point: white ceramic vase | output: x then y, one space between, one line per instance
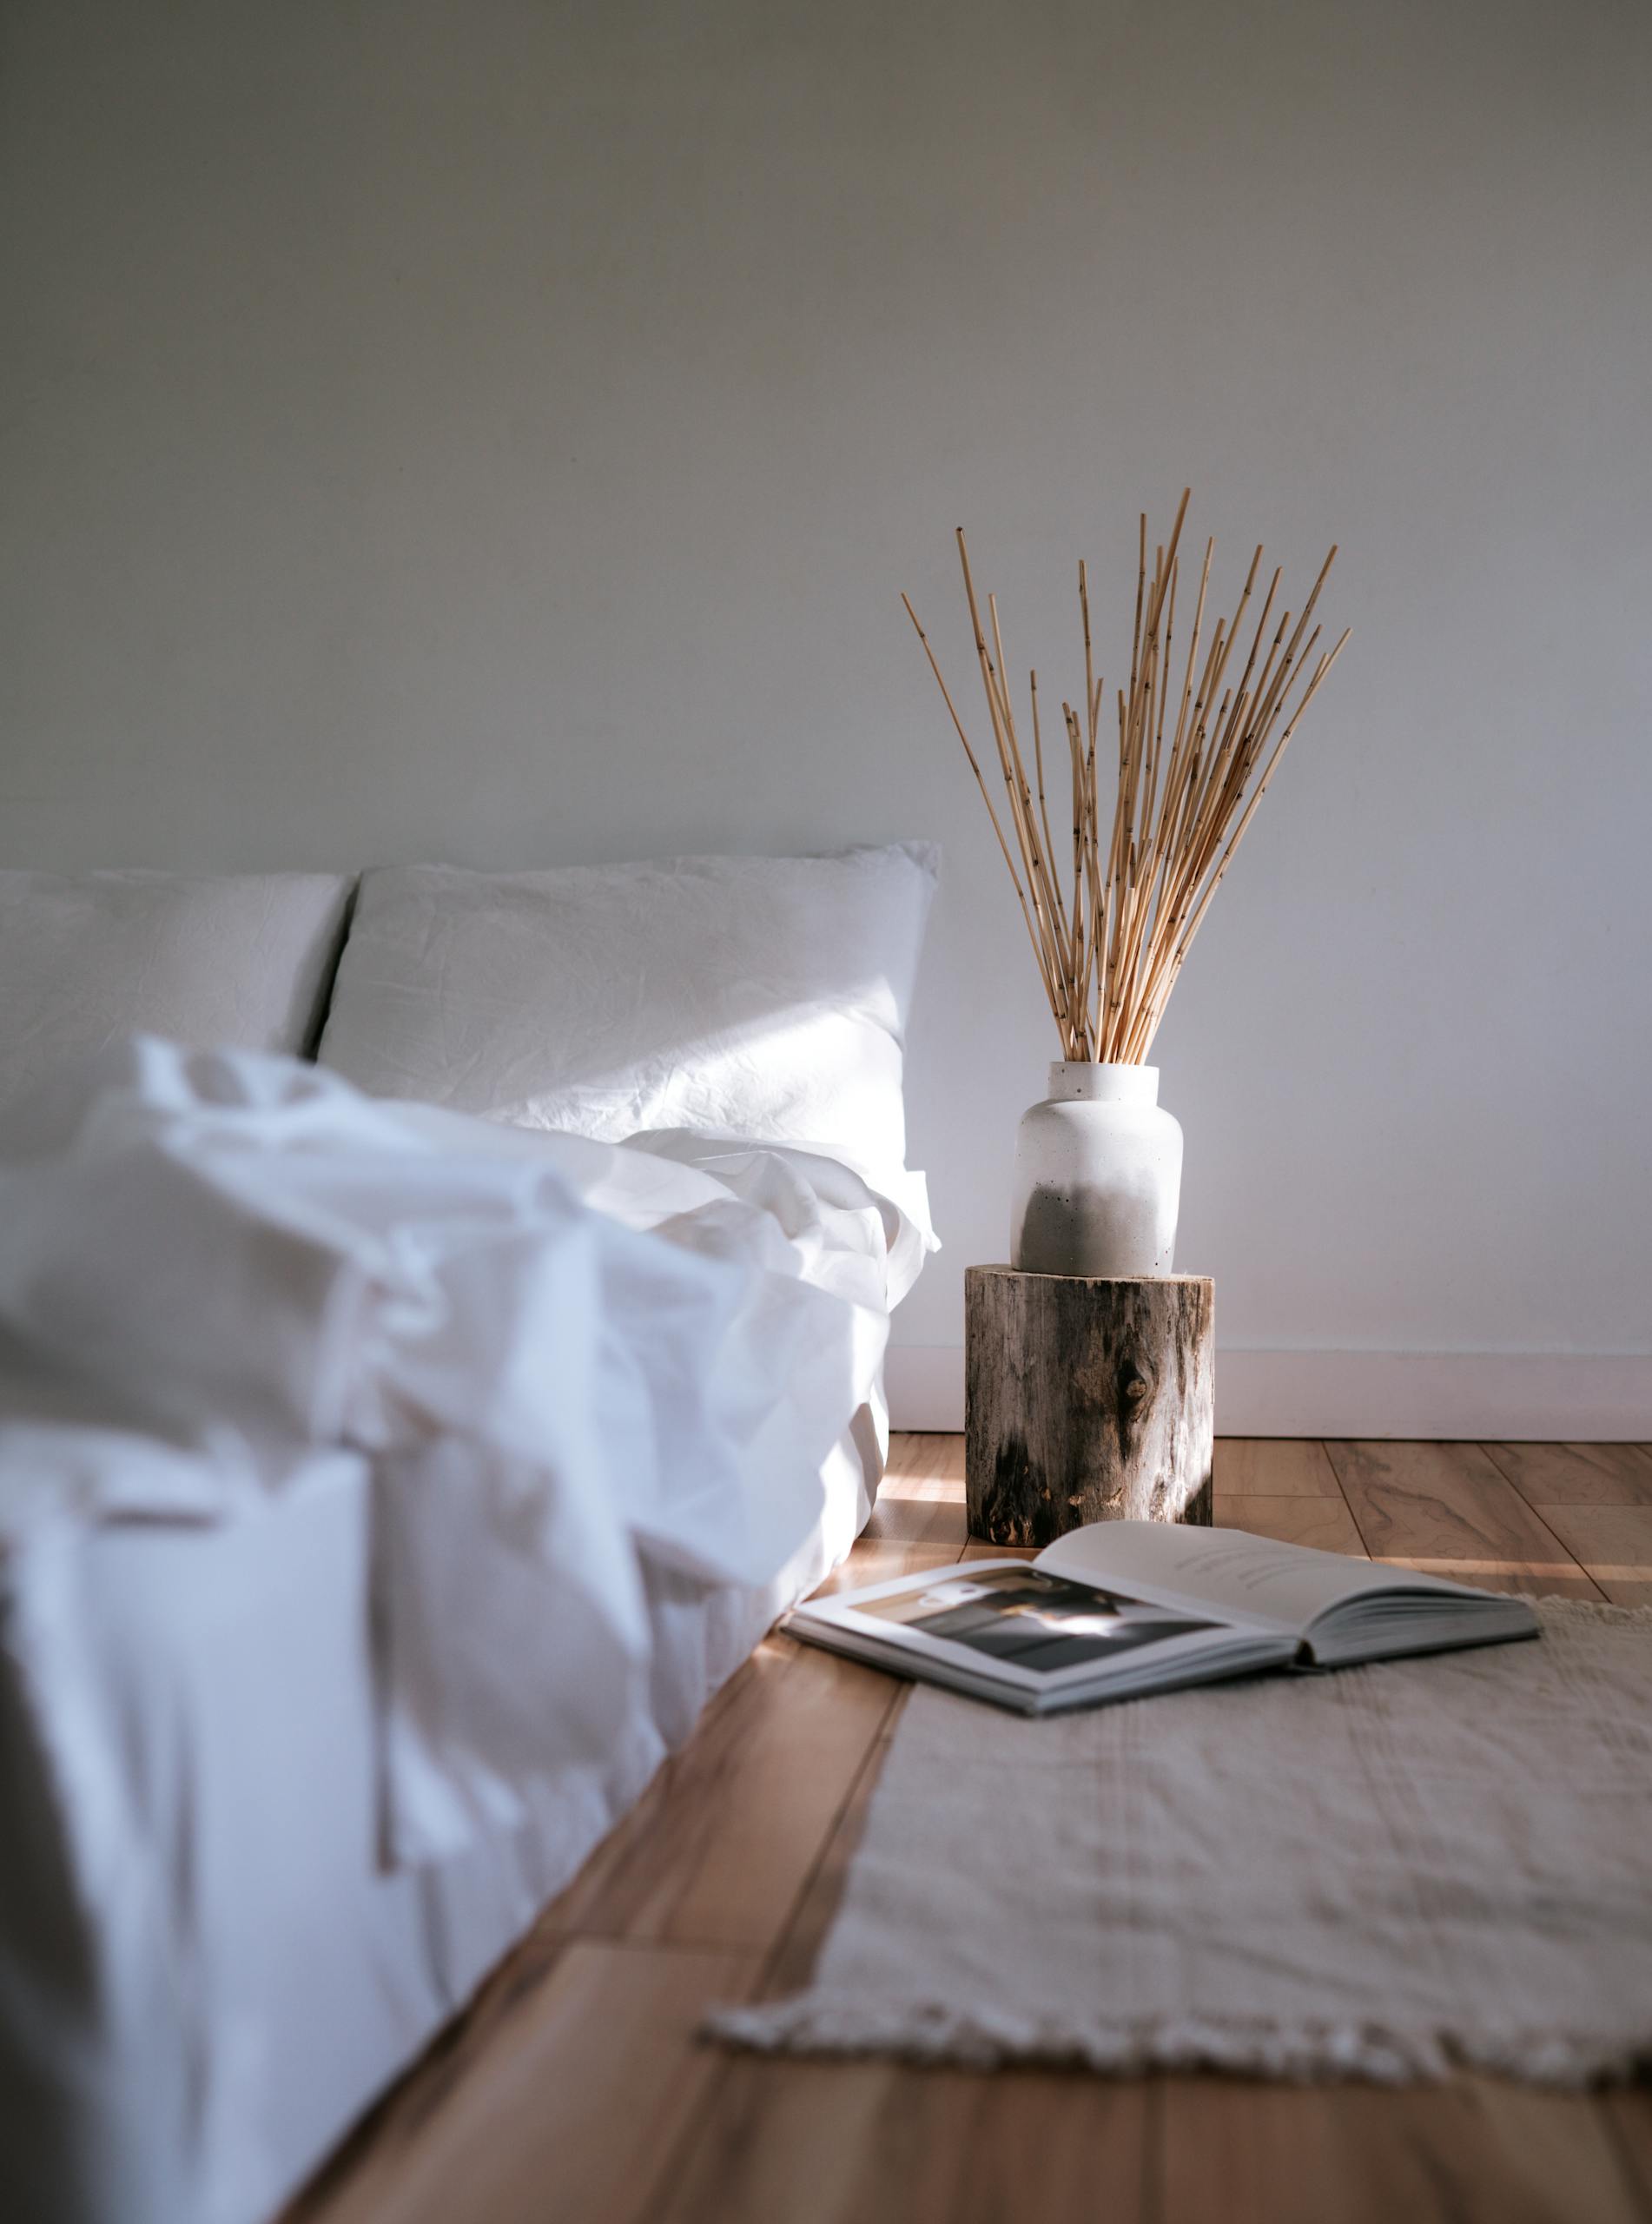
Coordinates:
1098 1175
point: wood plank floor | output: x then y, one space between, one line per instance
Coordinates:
574 2089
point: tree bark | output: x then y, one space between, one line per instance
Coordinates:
1086 1400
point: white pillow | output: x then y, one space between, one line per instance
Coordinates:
211 961
756 996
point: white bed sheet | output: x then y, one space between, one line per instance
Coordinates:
197 2004
207 1963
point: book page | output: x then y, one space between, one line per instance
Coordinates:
1010 1622
1025 1616
1250 1578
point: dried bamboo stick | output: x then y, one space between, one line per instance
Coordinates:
1111 943
975 768
1012 783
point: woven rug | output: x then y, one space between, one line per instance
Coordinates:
1391 1872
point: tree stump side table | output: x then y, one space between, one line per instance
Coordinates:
1086 1400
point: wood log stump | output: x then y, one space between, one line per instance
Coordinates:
1086 1400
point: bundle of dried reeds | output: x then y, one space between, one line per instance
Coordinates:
1111 940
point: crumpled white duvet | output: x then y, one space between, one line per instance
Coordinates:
571 1364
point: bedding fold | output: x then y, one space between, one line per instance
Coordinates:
578 1369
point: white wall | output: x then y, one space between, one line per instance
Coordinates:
500 431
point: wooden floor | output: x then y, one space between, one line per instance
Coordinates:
575 2090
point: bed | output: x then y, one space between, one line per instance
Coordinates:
283 1776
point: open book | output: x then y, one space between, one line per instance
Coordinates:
1125 1607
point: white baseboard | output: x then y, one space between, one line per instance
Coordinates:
1583 1397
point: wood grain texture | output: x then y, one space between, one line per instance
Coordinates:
1577 1474
1629 2113
1612 1544
1446 1508
1262 1466
792 1961
1085 1401
721 1843
1472 2152
802 2143
1324 1523
925 1460
520 2114
920 1500
878 1560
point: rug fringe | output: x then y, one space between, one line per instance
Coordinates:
819 2022
1592 1610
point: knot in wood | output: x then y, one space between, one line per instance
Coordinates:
1088 1398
